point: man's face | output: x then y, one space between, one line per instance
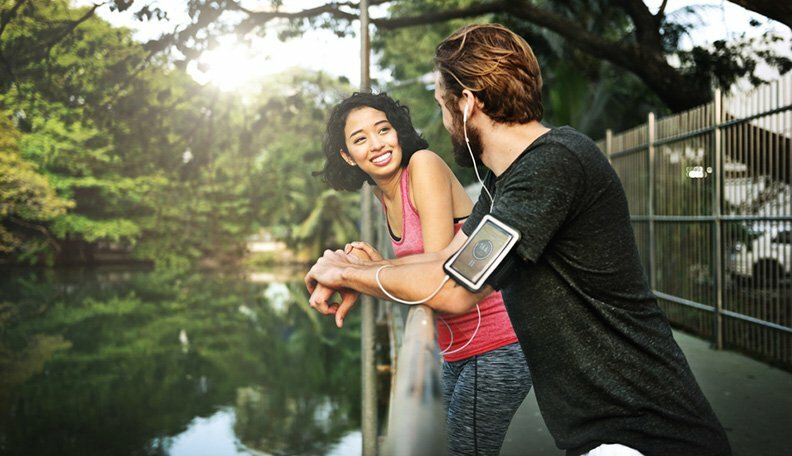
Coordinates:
454 123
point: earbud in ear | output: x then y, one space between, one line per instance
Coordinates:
465 112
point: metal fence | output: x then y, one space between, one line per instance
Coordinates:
710 199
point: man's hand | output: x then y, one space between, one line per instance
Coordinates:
324 279
320 300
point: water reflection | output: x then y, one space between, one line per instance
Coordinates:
133 362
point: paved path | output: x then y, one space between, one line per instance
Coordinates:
752 400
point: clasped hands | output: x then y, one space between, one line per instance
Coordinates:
324 279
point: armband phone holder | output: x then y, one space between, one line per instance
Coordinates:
482 253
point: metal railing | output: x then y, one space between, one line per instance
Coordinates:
416 419
711 204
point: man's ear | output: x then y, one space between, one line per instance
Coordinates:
347 158
467 102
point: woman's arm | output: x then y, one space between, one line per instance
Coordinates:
438 197
432 186
436 194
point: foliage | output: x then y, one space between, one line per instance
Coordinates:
126 154
587 93
629 35
331 223
154 164
27 198
121 363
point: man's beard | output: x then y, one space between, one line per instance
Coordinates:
461 152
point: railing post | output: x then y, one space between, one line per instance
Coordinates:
717 228
608 143
416 425
367 337
650 125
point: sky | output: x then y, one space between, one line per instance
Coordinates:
232 66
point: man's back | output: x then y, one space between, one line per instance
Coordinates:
606 368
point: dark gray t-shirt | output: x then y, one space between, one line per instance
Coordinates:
605 366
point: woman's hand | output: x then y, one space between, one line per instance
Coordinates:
363 250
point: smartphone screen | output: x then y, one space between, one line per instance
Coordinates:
482 252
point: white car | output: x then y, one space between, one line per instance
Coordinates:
768 258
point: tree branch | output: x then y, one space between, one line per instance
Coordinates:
616 52
41 229
6 17
71 26
647 61
441 16
333 8
661 10
647 25
778 10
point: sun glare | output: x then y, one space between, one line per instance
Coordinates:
230 66
234 66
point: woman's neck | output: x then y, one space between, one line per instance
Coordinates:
389 189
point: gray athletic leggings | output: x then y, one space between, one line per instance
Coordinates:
482 393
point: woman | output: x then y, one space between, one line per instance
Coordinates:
370 137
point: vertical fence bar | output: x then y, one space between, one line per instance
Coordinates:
367 336
651 133
717 227
746 303
608 143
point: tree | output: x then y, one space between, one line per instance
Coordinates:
587 93
637 40
71 75
330 224
154 164
779 11
27 199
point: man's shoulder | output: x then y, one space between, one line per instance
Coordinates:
562 144
569 138
559 144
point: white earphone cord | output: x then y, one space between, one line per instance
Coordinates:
445 351
450 343
394 298
472 157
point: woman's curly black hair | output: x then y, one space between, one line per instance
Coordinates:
337 173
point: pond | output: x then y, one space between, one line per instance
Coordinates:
126 362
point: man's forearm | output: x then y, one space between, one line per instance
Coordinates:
412 281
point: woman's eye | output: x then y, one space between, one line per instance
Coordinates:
384 129
358 140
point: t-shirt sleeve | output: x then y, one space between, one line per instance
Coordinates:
537 196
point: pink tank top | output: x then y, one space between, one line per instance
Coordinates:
495 330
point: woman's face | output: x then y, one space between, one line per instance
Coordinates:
372 142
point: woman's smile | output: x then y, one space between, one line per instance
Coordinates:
372 142
383 159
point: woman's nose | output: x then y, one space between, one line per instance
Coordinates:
376 143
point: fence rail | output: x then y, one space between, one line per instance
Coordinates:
711 204
416 419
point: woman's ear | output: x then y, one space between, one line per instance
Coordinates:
347 158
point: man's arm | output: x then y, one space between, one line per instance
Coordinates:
413 278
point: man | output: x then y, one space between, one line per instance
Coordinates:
608 375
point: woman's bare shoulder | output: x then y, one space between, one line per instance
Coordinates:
426 161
